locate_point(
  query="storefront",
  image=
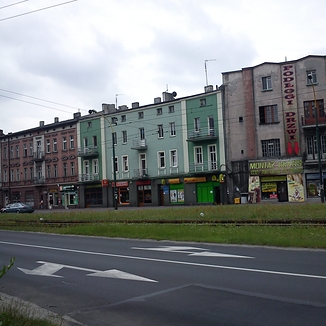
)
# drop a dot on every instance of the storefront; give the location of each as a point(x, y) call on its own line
point(177, 192)
point(276, 180)
point(69, 196)
point(313, 184)
point(144, 192)
point(93, 195)
point(122, 188)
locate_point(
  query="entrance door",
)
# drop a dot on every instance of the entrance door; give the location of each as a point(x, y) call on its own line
point(282, 191)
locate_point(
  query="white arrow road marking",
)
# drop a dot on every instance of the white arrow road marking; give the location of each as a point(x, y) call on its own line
point(48, 269)
point(192, 251)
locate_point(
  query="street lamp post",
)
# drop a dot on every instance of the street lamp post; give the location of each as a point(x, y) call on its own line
point(321, 182)
point(115, 194)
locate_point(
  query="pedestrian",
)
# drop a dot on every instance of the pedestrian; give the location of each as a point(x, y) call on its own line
point(51, 203)
point(41, 204)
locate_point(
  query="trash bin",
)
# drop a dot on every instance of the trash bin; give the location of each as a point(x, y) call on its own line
point(244, 197)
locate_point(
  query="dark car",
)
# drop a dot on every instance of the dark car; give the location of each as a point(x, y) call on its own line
point(17, 208)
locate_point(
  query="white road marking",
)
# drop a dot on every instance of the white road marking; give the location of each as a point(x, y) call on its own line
point(168, 261)
point(48, 269)
point(191, 251)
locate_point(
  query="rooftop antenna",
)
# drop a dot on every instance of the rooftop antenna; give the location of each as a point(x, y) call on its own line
point(206, 69)
point(116, 100)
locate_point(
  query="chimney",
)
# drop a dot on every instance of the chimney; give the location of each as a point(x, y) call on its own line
point(157, 100)
point(208, 88)
point(105, 108)
point(135, 105)
point(123, 107)
point(111, 108)
point(56, 120)
point(77, 115)
point(41, 123)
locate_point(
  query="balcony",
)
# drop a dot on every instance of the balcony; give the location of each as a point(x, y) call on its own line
point(39, 181)
point(201, 134)
point(89, 151)
point(311, 122)
point(38, 156)
point(140, 173)
point(88, 177)
point(203, 167)
point(139, 144)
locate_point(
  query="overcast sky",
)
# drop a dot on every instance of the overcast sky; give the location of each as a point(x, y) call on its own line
point(77, 55)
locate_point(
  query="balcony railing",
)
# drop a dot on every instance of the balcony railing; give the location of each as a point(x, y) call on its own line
point(88, 177)
point(311, 122)
point(203, 167)
point(38, 156)
point(88, 151)
point(139, 144)
point(140, 173)
point(39, 181)
point(201, 134)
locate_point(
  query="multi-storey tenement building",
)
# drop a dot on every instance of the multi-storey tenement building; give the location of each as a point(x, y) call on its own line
point(170, 152)
point(270, 123)
point(41, 164)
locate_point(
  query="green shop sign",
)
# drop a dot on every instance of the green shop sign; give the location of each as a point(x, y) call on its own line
point(274, 167)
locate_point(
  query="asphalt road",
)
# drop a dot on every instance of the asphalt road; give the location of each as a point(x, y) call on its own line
point(102, 281)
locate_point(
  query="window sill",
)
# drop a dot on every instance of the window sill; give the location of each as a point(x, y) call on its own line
point(267, 90)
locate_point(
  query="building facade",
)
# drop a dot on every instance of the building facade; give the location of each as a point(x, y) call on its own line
point(170, 152)
point(272, 130)
point(39, 165)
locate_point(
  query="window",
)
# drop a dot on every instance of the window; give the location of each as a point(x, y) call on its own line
point(55, 170)
point(313, 74)
point(125, 165)
point(30, 149)
point(197, 124)
point(89, 124)
point(31, 173)
point(271, 148)
point(140, 115)
point(64, 143)
point(159, 111)
point(11, 151)
point(95, 141)
point(124, 137)
point(5, 177)
point(72, 142)
point(5, 153)
point(173, 158)
point(172, 129)
point(123, 118)
point(198, 155)
point(312, 151)
point(310, 112)
point(85, 141)
point(211, 127)
point(86, 167)
point(25, 174)
point(48, 171)
point(95, 166)
point(17, 175)
point(65, 170)
point(143, 164)
point(171, 108)
point(55, 145)
point(25, 150)
point(267, 83)
point(17, 151)
point(268, 114)
point(212, 157)
point(161, 160)
point(160, 131)
point(48, 146)
point(114, 138)
point(141, 133)
point(72, 168)
point(202, 102)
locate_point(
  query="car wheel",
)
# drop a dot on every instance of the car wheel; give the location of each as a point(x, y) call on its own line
point(17, 211)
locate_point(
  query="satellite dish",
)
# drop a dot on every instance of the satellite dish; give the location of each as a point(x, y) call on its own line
point(174, 94)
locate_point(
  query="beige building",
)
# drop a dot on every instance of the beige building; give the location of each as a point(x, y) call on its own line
point(270, 125)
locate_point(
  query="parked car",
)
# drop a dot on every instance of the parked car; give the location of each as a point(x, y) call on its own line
point(17, 208)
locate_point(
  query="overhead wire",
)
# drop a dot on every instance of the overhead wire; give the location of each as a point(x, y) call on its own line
point(13, 4)
point(37, 10)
